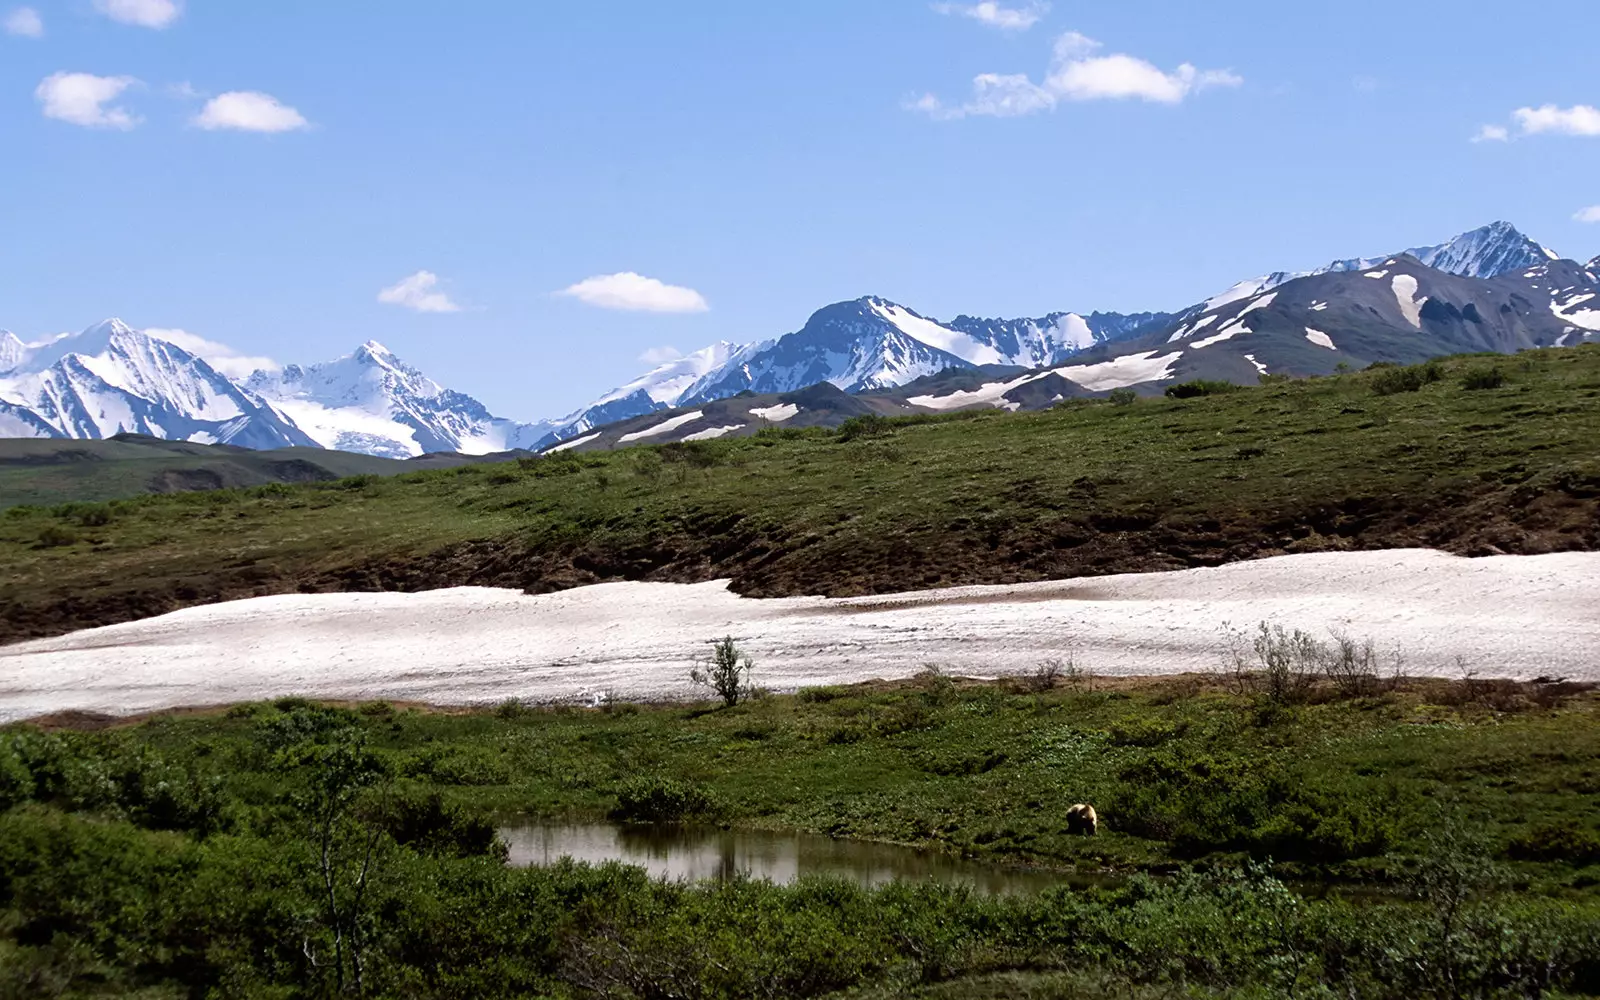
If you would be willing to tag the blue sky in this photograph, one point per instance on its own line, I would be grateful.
(258, 173)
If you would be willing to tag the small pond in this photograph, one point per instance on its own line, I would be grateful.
(699, 854)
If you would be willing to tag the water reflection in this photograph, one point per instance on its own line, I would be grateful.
(699, 854)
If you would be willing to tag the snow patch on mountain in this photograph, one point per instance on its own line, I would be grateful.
(664, 427)
(1320, 339)
(776, 414)
(1405, 292)
(1571, 311)
(1119, 373)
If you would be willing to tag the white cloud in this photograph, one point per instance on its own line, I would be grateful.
(996, 15)
(1578, 120)
(24, 22)
(83, 99)
(420, 293)
(144, 13)
(1590, 214)
(249, 111)
(219, 356)
(1077, 73)
(636, 293)
(660, 355)
(1492, 133)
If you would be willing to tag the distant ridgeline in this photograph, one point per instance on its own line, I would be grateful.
(1492, 289)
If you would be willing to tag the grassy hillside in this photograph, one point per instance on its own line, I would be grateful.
(1375, 459)
(52, 471)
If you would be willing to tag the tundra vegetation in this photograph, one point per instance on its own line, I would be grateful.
(1404, 839)
(1439, 455)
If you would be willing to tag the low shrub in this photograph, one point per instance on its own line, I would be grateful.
(867, 425)
(1391, 381)
(1122, 397)
(1200, 387)
(661, 800)
(1565, 842)
(54, 536)
(1483, 378)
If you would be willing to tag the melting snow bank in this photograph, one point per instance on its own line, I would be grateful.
(1506, 616)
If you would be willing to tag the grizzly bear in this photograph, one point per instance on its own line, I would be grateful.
(1082, 821)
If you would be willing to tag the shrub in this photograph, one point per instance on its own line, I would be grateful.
(867, 425)
(1390, 381)
(816, 695)
(1280, 664)
(1353, 666)
(1200, 387)
(1567, 842)
(54, 536)
(1122, 397)
(661, 800)
(727, 672)
(1483, 378)
(428, 825)
(16, 781)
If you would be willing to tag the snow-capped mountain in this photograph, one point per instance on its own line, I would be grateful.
(12, 351)
(861, 345)
(111, 378)
(1486, 252)
(872, 343)
(657, 389)
(1398, 310)
(1489, 289)
(372, 402)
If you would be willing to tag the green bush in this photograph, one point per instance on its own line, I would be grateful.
(1565, 842)
(1390, 381)
(54, 536)
(1122, 397)
(16, 781)
(1483, 378)
(427, 824)
(661, 800)
(1200, 387)
(867, 425)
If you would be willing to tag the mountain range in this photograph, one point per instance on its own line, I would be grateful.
(1492, 289)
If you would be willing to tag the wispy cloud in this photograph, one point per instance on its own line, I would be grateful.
(219, 356)
(249, 111)
(659, 355)
(635, 293)
(998, 15)
(143, 13)
(1577, 120)
(1590, 214)
(85, 99)
(1492, 133)
(24, 22)
(420, 293)
(1077, 73)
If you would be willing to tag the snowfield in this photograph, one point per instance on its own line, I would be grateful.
(1505, 616)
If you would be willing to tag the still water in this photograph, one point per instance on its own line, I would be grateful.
(700, 854)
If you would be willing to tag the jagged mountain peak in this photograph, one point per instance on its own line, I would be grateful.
(1486, 252)
(111, 378)
(12, 351)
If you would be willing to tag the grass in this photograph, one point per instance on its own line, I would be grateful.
(986, 497)
(185, 855)
(989, 770)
